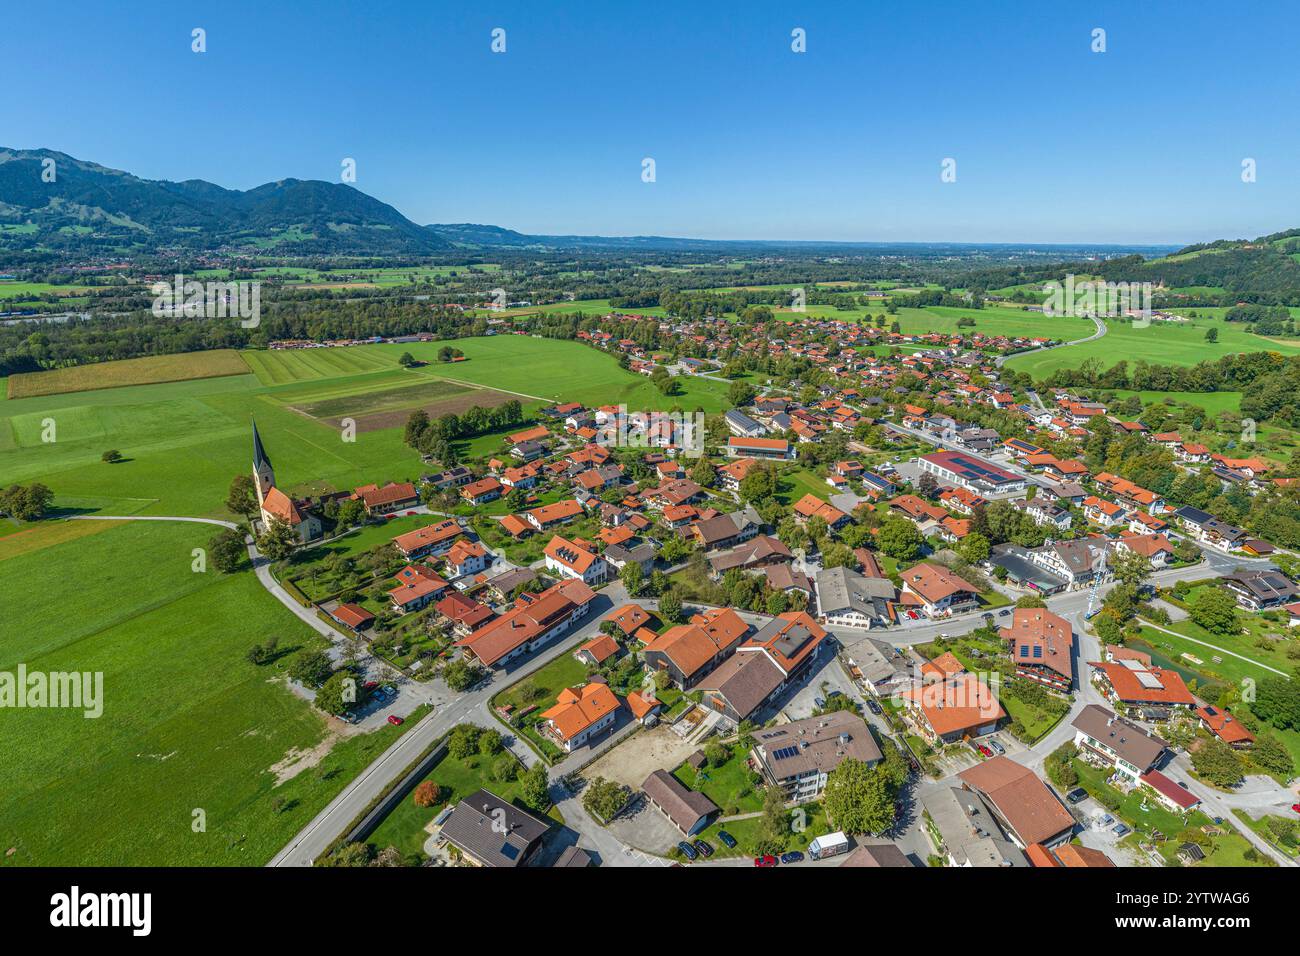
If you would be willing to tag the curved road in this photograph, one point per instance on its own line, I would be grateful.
(1101, 330)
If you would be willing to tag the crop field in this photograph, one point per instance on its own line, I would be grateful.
(190, 731)
(138, 371)
(299, 365)
(389, 408)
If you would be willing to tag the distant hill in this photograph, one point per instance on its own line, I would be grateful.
(1266, 269)
(89, 207)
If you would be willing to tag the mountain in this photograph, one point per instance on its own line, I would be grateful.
(91, 208)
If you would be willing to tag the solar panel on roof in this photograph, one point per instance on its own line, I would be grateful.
(785, 753)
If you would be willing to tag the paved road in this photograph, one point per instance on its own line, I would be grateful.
(1101, 330)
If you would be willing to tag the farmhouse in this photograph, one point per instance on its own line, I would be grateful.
(433, 540)
(532, 622)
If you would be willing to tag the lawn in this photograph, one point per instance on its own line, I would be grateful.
(190, 730)
(808, 823)
(1164, 343)
(137, 371)
(731, 786)
(403, 827)
(1143, 814)
(539, 691)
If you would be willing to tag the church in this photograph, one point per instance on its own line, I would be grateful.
(274, 502)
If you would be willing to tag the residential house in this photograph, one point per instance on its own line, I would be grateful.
(580, 714)
(418, 584)
(490, 831)
(688, 652)
(1041, 646)
(1137, 685)
(846, 598)
(1260, 590)
(763, 666)
(937, 591)
(1115, 742)
(575, 559)
(467, 557)
(799, 756)
(948, 711)
(1026, 808)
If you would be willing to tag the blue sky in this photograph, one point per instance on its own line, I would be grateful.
(1142, 143)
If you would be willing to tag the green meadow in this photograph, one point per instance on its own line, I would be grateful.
(1164, 343)
(198, 757)
(184, 441)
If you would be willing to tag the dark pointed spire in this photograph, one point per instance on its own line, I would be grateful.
(259, 453)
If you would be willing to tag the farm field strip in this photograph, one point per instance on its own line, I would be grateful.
(149, 370)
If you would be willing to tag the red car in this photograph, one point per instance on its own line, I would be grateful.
(985, 751)
(395, 720)
(412, 513)
(1296, 807)
(765, 860)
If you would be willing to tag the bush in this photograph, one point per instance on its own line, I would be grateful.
(426, 794)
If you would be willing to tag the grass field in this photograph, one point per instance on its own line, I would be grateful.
(188, 725)
(139, 371)
(24, 290)
(184, 441)
(1163, 343)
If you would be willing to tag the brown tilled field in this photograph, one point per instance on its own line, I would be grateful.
(451, 405)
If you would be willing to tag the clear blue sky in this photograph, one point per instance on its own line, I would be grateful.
(1143, 143)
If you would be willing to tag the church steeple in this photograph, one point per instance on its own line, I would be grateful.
(263, 473)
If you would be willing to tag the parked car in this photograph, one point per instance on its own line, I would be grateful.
(706, 850)
(997, 747)
(835, 693)
(985, 751)
(873, 707)
(1296, 807)
(794, 856)
(1004, 612)
(1121, 829)
(395, 720)
(688, 851)
(727, 839)
(819, 702)
(409, 513)
(1077, 795)
(765, 860)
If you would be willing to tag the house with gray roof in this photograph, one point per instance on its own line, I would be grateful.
(846, 598)
(799, 756)
(491, 831)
